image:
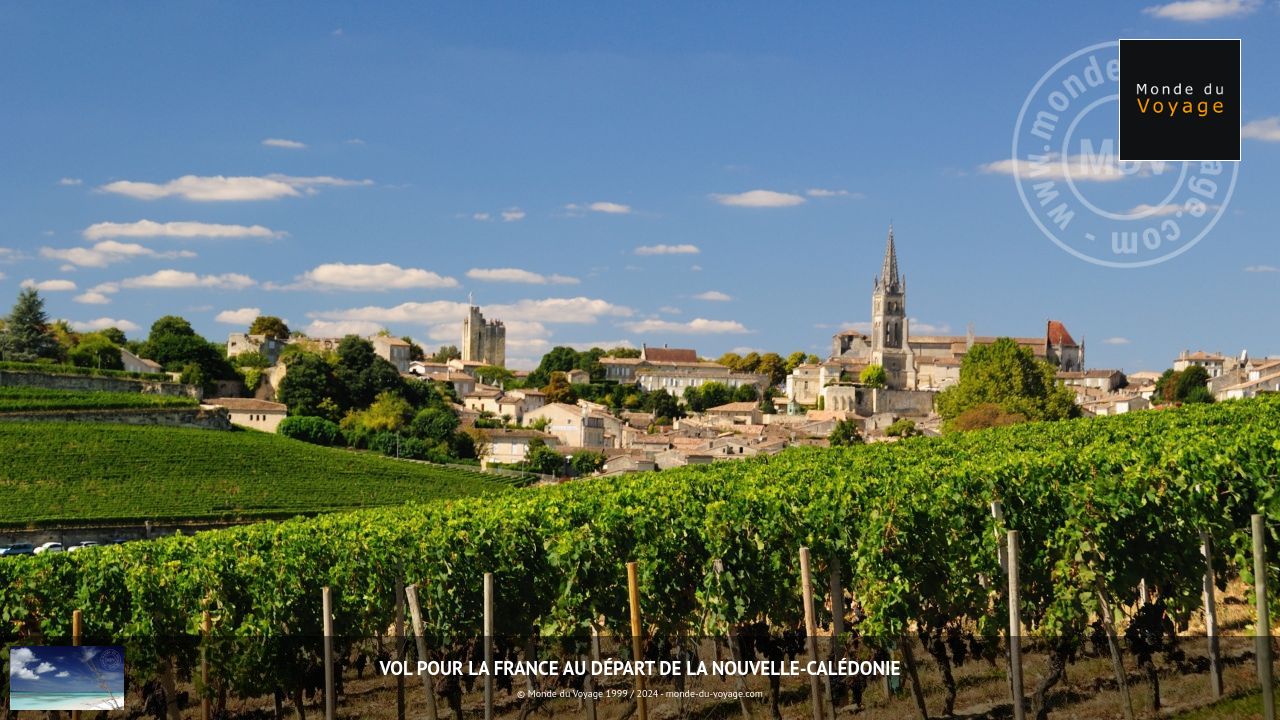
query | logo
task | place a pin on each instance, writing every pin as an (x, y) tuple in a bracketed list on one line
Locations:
[(1068, 172)]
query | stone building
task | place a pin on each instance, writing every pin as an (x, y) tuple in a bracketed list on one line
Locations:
[(483, 340), (911, 362)]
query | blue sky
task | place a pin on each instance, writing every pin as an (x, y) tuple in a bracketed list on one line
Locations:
[(354, 166), (65, 670)]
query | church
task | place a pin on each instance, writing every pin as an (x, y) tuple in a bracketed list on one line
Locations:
[(919, 362)]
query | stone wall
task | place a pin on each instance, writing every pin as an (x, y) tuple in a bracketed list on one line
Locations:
[(902, 402), (105, 532), (204, 417), (89, 383)]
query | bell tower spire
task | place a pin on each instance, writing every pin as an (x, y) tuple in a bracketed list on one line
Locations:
[(889, 324), (889, 278)]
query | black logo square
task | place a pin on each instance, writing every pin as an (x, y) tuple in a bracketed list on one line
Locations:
[(1179, 100)]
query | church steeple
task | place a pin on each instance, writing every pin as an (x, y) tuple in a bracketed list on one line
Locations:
[(889, 279)]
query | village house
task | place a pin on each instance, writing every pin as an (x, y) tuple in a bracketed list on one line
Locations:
[(1107, 380), (674, 370), (511, 447), (393, 350), (133, 363), (247, 412), (572, 425)]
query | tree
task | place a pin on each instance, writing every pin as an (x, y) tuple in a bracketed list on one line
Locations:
[(314, 430), (902, 427), (560, 359), (543, 460), (416, 353), (845, 433), (745, 393), (269, 325), (1010, 377), (558, 390), (766, 402), (96, 351), (388, 413), (434, 423), (986, 415), (311, 388), (445, 354), (363, 373), (709, 395), (795, 360), (873, 376), (493, 375), (586, 462), (65, 335), (774, 366), (663, 405), (115, 335), (27, 336), (1193, 385), (175, 345)]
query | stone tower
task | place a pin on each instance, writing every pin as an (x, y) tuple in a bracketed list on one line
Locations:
[(889, 347), (483, 340)]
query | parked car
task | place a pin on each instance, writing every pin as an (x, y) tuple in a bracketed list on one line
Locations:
[(51, 547), (18, 549), (82, 545)]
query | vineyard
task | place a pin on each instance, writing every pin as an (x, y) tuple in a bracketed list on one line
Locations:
[(1102, 506), (64, 473), (26, 399), (76, 370)]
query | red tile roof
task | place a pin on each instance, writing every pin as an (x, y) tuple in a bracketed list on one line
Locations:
[(1058, 334), (669, 354)]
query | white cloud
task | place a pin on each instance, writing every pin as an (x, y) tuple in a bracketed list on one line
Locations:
[(2, 276), (516, 275), (63, 673), (49, 285), (1267, 129), (19, 659), (481, 216), (341, 328), (150, 228), (92, 297), (1081, 168), (243, 316), (219, 188), (697, 326), (611, 208), (1262, 269), (667, 250), (45, 667), (512, 214), (670, 310), (70, 181), (103, 323), (575, 310), (9, 255), (107, 252), (384, 276), (603, 344), (825, 193), (1116, 341), (758, 199), (283, 143), (713, 296), (354, 141), (180, 279), (1197, 10)]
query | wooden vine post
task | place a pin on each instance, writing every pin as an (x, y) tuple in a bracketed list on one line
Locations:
[(330, 700), (77, 633), (835, 593), (811, 633), (1211, 616), (415, 614), (1015, 628), (488, 646), (1263, 630), (637, 641)]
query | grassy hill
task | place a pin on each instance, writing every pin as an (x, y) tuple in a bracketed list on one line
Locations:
[(65, 473), (23, 399)]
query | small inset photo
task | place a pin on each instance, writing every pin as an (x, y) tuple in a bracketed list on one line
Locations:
[(89, 677)]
